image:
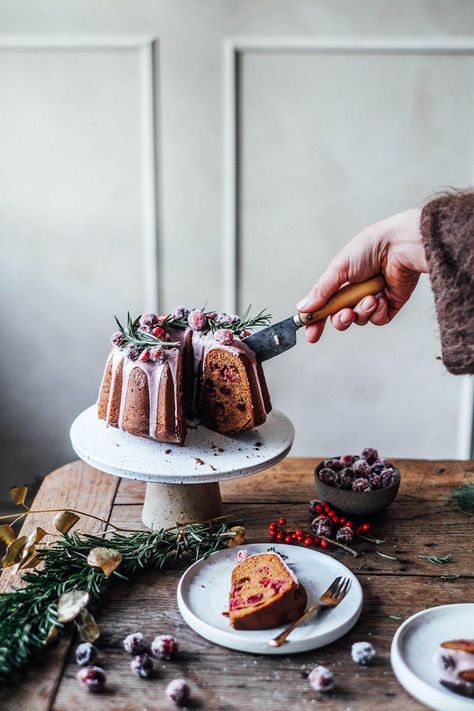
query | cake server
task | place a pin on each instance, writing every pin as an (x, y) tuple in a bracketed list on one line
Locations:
[(281, 336)]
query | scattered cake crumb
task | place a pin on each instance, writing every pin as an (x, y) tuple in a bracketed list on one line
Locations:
[(214, 469), (198, 460), (167, 451)]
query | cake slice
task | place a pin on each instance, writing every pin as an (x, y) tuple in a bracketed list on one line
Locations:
[(456, 659), (265, 593)]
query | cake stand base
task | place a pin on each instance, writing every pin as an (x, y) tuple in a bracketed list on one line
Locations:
[(182, 482), (168, 504)]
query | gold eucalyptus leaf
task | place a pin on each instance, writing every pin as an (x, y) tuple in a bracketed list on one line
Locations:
[(52, 636), (36, 536), (19, 494), (65, 520), (70, 604), (14, 552), (7, 534), (107, 559), (88, 628), (238, 538), (30, 561)]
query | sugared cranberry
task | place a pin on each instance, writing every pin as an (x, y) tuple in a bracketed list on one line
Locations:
[(323, 530), (164, 646), (132, 352), (360, 485), (328, 476), (117, 339), (179, 312), (244, 334), (361, 467), (224, 336), (346, 460), (142, 665), (157, 354), (387, 478), (315, 507), (92, 678), (346, 478), (321, 679), (345, 535), (321, 520), (134, 643), (144, 356), (334, 464), (375, 481), (197, 320), (377, 468), (178, 691), (362, 653), (370, 455), (85, 654), (148, 320)]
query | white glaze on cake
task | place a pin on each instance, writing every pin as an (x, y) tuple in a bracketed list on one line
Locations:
[(462, 662)]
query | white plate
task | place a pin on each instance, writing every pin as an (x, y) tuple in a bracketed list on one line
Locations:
[(203, 595), (116, 452), (414, 646)]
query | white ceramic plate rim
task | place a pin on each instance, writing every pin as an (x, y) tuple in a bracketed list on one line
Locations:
[(437, 698), (234, 639)]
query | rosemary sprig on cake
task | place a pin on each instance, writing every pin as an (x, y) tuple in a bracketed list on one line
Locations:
[(152, 333)]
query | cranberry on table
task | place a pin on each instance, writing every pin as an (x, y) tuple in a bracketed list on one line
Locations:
[(134, 643), (321, 679), (282, 521), (178, 691), (345, 535), (142, 665), (92, 678), (164, 646), (362, 653), (85, 654)]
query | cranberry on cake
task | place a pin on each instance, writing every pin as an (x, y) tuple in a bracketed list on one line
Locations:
[(187, 362), (265, 593), (456, 659)]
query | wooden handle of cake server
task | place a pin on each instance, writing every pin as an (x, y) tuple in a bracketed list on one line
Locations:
[(348, 296)]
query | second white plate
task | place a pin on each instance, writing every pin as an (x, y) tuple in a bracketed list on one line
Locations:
[(203, 594)]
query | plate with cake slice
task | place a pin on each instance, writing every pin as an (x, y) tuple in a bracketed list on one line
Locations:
[(242, 597), (433, 657)]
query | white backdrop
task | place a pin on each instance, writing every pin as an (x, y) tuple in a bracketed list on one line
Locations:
[(155, 153)]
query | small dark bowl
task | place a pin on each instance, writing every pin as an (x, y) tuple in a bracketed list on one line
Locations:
[(355, 503)]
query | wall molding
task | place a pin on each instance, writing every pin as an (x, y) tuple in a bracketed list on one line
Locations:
[(148, 50), (233, 50)]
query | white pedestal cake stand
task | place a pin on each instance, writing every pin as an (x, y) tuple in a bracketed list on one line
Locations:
[(182, 482)]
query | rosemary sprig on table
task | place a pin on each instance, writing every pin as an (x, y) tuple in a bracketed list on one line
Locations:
[(28, 615), (440, 560)]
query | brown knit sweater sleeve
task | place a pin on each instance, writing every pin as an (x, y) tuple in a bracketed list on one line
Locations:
[(447, 227)]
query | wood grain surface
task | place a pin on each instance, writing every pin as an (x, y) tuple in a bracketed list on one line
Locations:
[(421, 521)]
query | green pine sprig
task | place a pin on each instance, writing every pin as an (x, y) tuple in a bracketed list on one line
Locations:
[(28, 614)]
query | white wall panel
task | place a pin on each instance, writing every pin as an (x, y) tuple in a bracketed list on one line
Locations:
[(330, 142), (72, 229)]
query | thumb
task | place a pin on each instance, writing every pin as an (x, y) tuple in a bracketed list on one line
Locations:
[(328, 283)]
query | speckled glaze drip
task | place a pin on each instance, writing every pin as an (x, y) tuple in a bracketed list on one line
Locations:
[(153, 372)]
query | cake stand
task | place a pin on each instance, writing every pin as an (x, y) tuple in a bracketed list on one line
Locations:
[(182, 482)]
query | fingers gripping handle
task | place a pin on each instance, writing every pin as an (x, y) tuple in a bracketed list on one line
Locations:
[(348, 296)]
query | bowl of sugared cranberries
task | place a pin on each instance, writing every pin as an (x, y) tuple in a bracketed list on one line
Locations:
[(358, 484)]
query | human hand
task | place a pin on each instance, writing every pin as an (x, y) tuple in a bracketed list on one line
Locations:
[(392, 247)]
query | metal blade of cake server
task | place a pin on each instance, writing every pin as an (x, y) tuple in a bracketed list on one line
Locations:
[(273, 340)]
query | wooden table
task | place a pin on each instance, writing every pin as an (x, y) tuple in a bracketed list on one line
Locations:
[(421, 521)]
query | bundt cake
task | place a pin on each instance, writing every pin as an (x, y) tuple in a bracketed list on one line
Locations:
[(265, 593), (193, 363), (456, 659)]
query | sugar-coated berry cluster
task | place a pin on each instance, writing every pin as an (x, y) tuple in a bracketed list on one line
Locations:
[(93, 678), (363, 472)]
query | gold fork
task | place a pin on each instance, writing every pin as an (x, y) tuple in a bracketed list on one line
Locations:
[(335, 594)]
